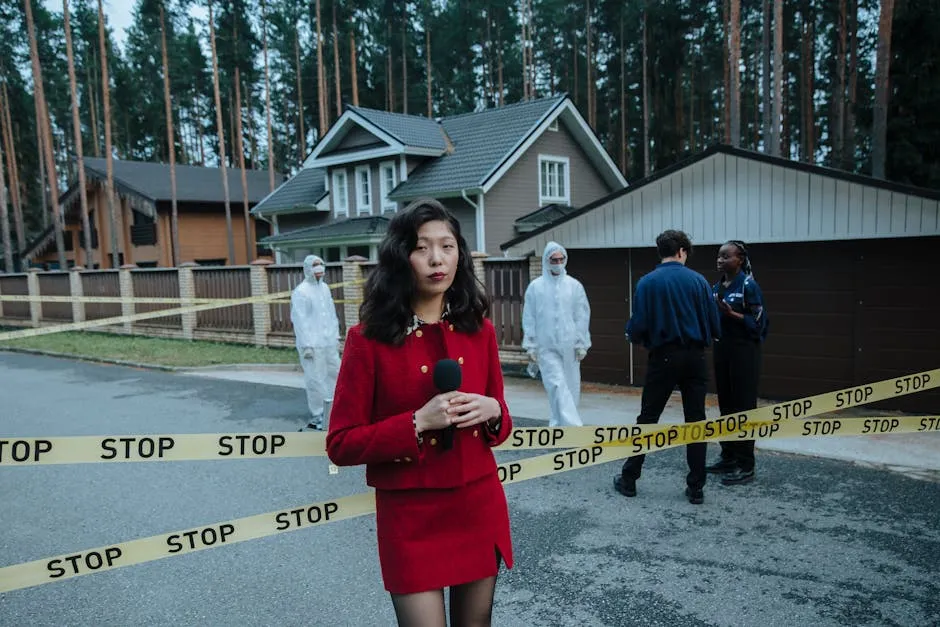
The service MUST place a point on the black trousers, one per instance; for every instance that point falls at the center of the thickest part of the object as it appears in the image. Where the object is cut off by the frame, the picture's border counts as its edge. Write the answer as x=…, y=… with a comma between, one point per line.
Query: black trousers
x=737, y=374
x=667, y=368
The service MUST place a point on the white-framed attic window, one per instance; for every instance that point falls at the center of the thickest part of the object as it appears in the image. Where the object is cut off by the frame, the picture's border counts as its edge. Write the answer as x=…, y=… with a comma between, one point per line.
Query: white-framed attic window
x=554, y=180
x=554, y=125
x=340, y=194
x=388, y=179
x=363, y=190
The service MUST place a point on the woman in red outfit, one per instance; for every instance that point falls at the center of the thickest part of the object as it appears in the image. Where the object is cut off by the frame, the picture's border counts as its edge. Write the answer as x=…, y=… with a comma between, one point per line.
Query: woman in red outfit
x=441, y=514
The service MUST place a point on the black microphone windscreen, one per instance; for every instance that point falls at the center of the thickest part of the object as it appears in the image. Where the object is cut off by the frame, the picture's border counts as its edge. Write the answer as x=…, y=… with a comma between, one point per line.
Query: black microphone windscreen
x=447, y=375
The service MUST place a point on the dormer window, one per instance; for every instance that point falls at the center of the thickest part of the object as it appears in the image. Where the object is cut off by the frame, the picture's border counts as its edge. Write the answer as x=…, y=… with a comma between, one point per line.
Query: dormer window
x=363, y=190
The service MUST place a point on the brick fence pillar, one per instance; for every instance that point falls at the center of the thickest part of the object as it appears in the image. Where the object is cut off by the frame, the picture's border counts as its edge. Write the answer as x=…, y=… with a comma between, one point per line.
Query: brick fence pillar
x=478, y=270
x=77, y=291
x=35, y=306
x=535, y=267
x=352, y=292
x=260, y=312
x=187, y=294
x=127, y=292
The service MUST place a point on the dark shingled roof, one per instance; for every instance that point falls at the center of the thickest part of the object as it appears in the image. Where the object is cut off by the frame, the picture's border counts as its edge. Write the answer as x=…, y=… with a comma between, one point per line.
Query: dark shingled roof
x=193, y=183
x=301, y=193
x=411, y=130
x=546, y=214
x=481, y=141
x=352, y=227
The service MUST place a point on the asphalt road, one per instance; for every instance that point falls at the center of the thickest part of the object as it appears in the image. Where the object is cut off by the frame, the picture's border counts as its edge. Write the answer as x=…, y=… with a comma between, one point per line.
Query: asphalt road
x=812, y=542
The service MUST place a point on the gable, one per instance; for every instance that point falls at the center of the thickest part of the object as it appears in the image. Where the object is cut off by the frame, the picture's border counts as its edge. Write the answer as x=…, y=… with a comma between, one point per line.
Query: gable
x=356, y=138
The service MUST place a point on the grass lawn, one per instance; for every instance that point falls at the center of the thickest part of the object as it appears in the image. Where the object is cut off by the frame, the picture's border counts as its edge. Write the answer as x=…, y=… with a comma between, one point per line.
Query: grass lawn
x=151, y=350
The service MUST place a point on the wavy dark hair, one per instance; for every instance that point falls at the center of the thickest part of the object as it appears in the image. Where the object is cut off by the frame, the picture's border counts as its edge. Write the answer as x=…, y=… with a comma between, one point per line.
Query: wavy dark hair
x=386, y=311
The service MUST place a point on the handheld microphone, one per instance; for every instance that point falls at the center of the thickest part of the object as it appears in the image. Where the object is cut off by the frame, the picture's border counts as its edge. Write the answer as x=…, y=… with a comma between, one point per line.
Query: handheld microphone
x=447, y=379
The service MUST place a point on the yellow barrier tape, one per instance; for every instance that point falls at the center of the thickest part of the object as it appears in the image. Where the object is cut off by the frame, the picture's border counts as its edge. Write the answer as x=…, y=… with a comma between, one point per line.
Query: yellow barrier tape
x=773, y=419
x=80, y=563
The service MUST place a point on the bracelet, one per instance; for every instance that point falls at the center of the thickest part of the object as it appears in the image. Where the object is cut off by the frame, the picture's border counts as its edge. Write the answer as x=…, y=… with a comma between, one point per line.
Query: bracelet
x=414, y=422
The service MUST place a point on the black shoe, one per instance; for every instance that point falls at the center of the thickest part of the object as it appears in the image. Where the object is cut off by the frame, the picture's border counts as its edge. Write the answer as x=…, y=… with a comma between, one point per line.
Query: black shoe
x=696, y=495
x=722, y=467
x=738, y=477
x=626, y=487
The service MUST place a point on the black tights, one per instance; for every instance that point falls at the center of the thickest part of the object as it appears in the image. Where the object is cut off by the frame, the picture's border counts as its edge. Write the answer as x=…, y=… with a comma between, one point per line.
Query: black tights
x=471, y=605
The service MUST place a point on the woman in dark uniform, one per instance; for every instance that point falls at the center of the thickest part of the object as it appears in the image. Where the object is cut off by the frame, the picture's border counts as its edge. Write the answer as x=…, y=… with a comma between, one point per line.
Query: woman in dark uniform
x=441, y=514
x=738, y=354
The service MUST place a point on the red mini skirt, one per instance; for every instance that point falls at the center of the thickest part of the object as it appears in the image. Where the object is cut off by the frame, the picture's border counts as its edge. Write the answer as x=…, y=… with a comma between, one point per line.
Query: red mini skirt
x=434, y=538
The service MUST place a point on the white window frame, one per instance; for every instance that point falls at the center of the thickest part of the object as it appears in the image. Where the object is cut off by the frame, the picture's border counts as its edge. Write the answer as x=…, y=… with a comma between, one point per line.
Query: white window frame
x=388, y=205
x=363, y=201
x=547, y=199
x=340, y=209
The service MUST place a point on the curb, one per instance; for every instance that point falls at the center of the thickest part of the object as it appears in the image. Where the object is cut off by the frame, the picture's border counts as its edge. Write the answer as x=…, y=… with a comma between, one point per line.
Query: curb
x=88, y=358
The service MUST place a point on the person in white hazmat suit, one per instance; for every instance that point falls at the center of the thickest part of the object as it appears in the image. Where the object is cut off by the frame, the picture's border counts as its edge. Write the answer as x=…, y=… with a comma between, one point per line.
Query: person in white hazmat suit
x=316, y=329
x=555, y=320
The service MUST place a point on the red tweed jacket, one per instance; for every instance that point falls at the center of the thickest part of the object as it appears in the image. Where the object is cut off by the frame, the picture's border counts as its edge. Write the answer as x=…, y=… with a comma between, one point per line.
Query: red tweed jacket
x=379, y=387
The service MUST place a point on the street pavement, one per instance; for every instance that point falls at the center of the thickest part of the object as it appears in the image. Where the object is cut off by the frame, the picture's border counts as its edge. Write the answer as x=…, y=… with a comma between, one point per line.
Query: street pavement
x=814, y=541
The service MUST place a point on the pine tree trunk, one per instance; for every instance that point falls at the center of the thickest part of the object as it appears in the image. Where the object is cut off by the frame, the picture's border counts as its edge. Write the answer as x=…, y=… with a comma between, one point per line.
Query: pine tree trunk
x=404, y=66
x=170, y=143
x=302, y=139
x=337, y=80
x=499, y=71
x=113, y=218
x=427, y=51
x=879, y=149
x=77, y=133
x=321, y=77
x=837, y=123
x=530, y=50
x=221, y=137
x=734, y=62
x=765, y=76
x=623, y=100
x=778, y=77
x=646, y=99
x=354, y=68
x=726, y=26
x=40, y=148
x=390, y=82
x=525, y=54
x=267, y=96
x=12, y=169
x=848, y=149
x=591, y=109
x=241, y=160
x=5, y=222
x=93, y=107
x=42, y=120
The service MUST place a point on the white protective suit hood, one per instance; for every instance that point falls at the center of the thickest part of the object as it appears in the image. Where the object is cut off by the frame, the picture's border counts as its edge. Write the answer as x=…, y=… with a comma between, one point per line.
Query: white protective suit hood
x=547, y=267
x=313, y=265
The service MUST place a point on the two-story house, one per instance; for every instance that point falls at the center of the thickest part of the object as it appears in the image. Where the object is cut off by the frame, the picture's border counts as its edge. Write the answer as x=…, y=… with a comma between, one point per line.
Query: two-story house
x=501, y=171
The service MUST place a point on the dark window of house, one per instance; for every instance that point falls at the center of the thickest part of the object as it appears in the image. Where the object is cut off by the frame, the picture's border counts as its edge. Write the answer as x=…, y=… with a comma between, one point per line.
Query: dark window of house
x=68, y=241
x=262, y=230
x=146, y=264
x=333, y=254
x=143, y=231
x=94, y=238
x=362, y=251
x=211, y=262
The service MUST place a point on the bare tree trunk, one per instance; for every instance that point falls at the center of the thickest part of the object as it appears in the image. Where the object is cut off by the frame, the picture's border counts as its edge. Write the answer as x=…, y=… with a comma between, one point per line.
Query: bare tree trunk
x=43, y=121
x=837, y=124
x=879, y=150
x=848, y=148
x=170, y=143
x=499, y=71
x=726, y=26
x=302, y=140
x=591, y=110
x=389, y=73
x=646, y=102
x=778, y=77
x=337, y=78
x=765, y=76
x=241, y=162
x=5, y=222
x=525, y=52
x=77, y=133
x=574, y=63
x=530, y=50
x=354, y=68
x=113, y=217
x=221, y=135
x=623, y=100
x=12, y=169
x=321, y=77
x=40, y=148
x=735, y=61
x=427, y=51
x=267, y=96
x=93, y=107
x=404, y=66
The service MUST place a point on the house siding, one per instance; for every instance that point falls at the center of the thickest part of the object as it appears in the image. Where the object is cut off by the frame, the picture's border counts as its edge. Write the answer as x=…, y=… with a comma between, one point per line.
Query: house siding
x=466, y=215
x=730, y=197
x=517, y=192
x=357, y=137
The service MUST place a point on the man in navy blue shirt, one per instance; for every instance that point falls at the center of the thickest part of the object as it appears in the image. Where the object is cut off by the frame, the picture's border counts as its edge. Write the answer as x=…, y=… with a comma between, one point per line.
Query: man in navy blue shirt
x=676, y=318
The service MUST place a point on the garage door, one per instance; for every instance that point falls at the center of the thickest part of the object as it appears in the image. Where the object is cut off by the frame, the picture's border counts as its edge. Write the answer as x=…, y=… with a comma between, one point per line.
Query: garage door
x=841, y=313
